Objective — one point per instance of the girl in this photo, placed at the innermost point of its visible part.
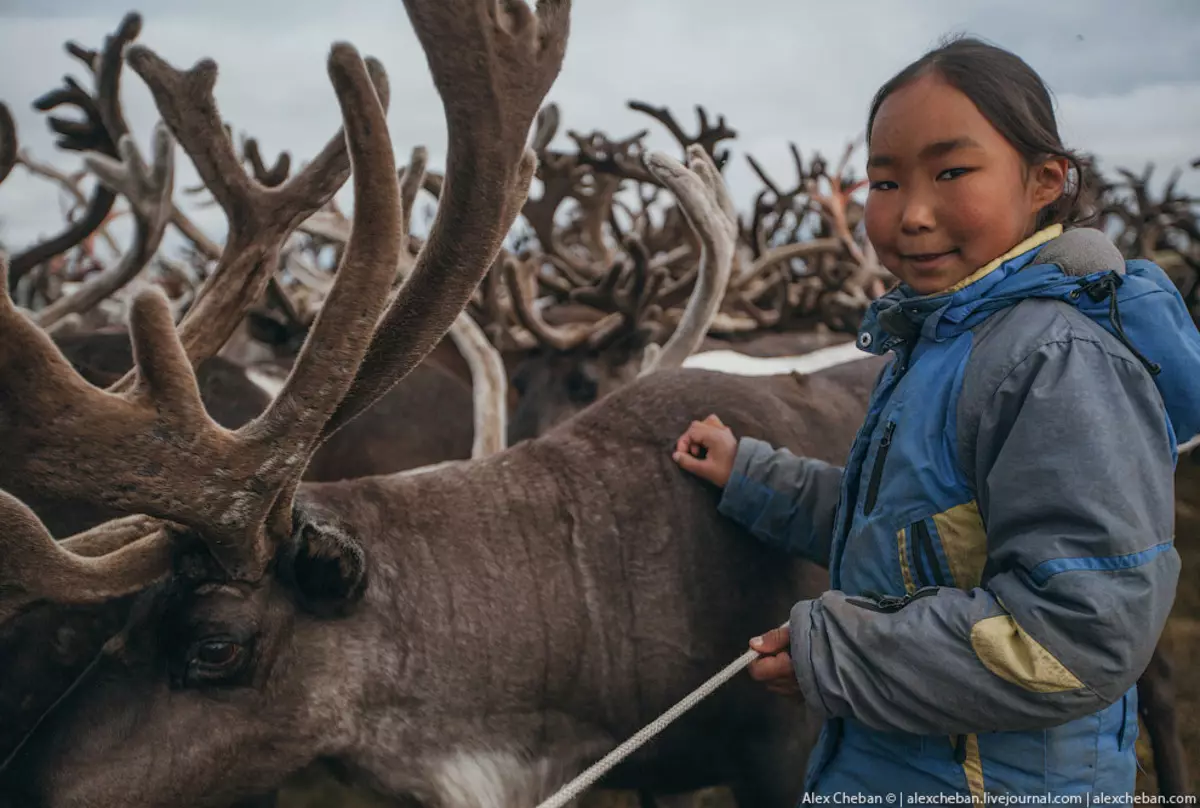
(1001, 560)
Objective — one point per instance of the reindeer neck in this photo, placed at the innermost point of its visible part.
(482, 608)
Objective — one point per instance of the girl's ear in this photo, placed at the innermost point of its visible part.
(1048, 182)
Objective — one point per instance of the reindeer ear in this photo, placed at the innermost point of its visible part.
(324, 564)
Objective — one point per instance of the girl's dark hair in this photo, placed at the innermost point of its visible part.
(1014, 99)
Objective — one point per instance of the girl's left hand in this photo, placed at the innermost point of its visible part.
(774, 669)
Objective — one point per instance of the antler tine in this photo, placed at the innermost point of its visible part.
(89, 56)
(105, 65)
(708, 136)
(678, 290)
(108, 75)
(781, 197)
(266, 177)
(487, 373)
(260, 218)
(547, 127)
(108, 440)
(489, 385)
(412, 177)
(149, 193)
(69, 183)
(602, 295)
(840, 173)
(291, 428)
(33, 567)
(492, 63)
(762, 175)
(613, 159)
(663, 116)
(834, 204)
(709, 210)
(773, 204)
(782, 254)
(86, 135)
(8, 142)
(185, 101)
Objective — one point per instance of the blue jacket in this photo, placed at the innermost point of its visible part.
(1002, 558)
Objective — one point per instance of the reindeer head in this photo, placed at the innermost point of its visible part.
(230, 590)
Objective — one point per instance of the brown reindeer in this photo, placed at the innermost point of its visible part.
(515, 615)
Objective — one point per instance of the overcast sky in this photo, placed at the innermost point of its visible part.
(1126, 75)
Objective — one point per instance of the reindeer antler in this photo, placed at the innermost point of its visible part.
(520, 278)
(489, 381)
(91, 135)
(149, 193)
(8, 142)
(152, 449)
(260, 218)
(705, 202)
(149, 447)
(775, 202)
(707, 137)
(490, 101)
(106, 564)
(628, 296)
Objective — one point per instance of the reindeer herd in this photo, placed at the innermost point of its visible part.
(402, 506)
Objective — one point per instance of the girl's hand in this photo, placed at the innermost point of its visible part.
(707, 450)
(775, 669)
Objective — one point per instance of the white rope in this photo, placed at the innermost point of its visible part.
(597, 770)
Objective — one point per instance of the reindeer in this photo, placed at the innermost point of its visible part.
(520, 612)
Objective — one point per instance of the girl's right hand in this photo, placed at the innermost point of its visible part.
(707, 449)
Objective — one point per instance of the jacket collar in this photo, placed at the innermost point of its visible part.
(902, 314)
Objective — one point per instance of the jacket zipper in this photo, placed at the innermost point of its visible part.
(960, 749)
(887, 604)
(877, 470)
(914, 542)
(925, 542)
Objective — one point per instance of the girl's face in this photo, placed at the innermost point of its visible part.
(948, 193)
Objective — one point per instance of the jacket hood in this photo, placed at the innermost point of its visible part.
(1134, 300)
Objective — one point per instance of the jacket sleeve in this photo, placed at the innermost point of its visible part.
(788, 502)
(1074, 480)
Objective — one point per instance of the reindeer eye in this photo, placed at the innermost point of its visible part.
(217, 653)
(214, 660)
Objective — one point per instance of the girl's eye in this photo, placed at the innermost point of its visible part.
(953, 173)
(882, 185)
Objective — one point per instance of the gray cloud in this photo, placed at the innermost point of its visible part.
(1126, 76)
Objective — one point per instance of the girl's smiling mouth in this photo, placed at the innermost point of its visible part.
(928, 260)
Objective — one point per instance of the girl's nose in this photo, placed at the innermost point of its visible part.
(916, 216)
